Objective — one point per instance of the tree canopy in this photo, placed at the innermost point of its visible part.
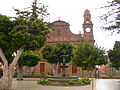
(35, 10)
(6, 26)
(28, 33)
(53, 53)
(65, 48)
(50, 53)
(29, 58)
(114, 55)
(88, 56)
(112, 17)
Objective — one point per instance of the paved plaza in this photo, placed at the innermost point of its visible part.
(107, 84)
(31, 84)
(99, 84)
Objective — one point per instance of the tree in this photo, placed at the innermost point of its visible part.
(88, 56)
(53, 54)
(114, 55)
(65, 48)
(28, 58)
(50, 53)
(15, 36)
(36, 9)
(112, 17)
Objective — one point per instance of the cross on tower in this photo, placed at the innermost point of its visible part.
(59, 18)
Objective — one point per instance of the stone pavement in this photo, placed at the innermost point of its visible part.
(31, 84)
(100, 84)
(107, 84)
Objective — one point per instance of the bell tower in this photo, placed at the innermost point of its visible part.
(88, 27)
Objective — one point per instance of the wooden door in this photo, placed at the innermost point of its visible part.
(59, 68)
(42, 67)
(74, 69)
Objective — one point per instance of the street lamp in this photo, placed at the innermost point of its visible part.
(97, 70)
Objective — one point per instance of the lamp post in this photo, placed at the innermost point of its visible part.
(97, 71)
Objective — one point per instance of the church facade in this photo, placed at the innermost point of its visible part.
(62, 33)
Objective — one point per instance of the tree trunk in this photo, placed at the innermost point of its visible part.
(82, 73)
(19, 72)
(55, 69)
(7, 78)
(8, 70)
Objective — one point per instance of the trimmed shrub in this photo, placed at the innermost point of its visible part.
(70, 83)
(43, 81)
(83, 81)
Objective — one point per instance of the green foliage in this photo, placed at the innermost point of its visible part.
(88, 56)
(65, 48)
(117, 45)
(30, 33)
(111, 16)
(83, 81)
(29, 58)
(114, 55)
(50, 53)
(35, 10)
(53, 53)
(6, 26)
(100, 56)
(70, 82)
(43, 81)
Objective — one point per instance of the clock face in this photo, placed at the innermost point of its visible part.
(88, 29)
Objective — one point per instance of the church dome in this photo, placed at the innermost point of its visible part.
(61, 22)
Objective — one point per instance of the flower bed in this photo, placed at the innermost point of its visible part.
(111, 77)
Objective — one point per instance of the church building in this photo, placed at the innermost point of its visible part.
(62, 33)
